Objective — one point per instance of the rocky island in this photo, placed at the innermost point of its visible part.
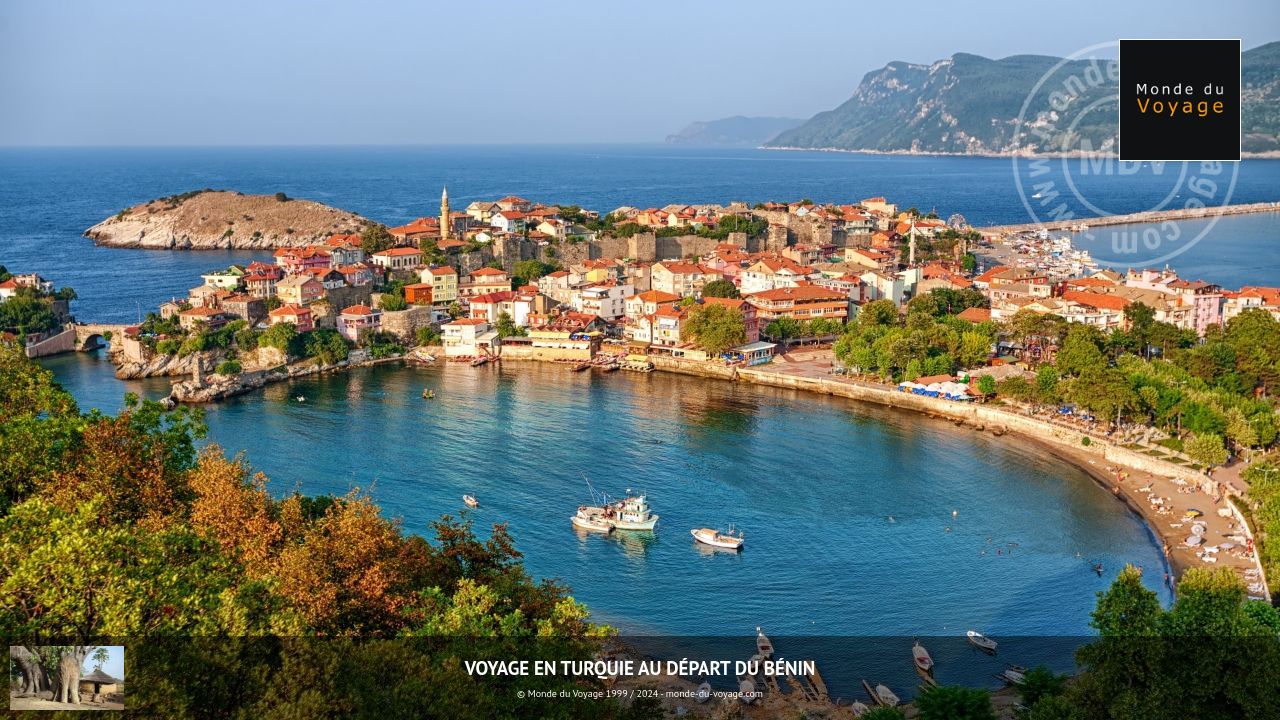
(220, 219)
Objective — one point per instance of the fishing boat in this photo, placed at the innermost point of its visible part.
(428, 394)
(763, 644)
(582, 366)
(920, 656)
(980, 641)
(715, 538)
(704, 692)
(480, 361)
(859, 708)
(471, 501)
(631, 513)
(592, 519)
(747, 687)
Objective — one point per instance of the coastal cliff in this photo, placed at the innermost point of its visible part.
(216, 220)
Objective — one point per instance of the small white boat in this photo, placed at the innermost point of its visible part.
(704, 692)
(586, 519)
(1012, 676)
(747, 687)
(763, 644)
(715, 538)
(471, 501)
(886, 695)
(921, 658)
(301, 398)
(859, 708)
(982, 642)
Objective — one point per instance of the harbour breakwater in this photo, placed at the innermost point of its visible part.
(1149, 216)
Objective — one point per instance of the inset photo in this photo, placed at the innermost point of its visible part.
(66, 677)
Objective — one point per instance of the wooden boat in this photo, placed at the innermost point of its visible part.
(592, 520)
(763, 644)
(704, 692)
(471, 501)
(480, 361)
(582, 366)
(715, 538)
(611, 367)
(980, 641)
(922, 659)
(886, 696)
(859, 708)
(747, 687)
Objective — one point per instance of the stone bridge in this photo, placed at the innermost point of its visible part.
(90, 336)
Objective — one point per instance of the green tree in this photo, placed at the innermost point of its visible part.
(1038, 683)
(720, 289)
(392, 302)
(280, 336)
(1207, 449)
(507, 327)
(526, 272)
(878, 312)
(884, 713)
(782, 329)
(715, 328)
(228, 367)
(374, 237)
(987, 385)
(952, 702)
(427, 335)
(325, 345)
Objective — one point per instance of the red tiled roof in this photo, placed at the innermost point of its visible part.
(657, 296)
(357, 310)
(1097, 300)
(975, 315)
(398, 252)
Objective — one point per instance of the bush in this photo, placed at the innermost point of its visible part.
(168, 346)
(428, 336)
(228, 367)
(281, 197)
(1085, 441)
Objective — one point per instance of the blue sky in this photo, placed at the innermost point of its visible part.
(114, 666)
(271, 72)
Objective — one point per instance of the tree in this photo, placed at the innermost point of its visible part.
(281, 197)
(878, 312)
(715, 328)
(987, 385)
(507, 327)
(782, 329)
(392, 302)
(884, 713)
(953, 702)
(228, 367)
(325, 345)
(279, 336)
(526, 272)
(427, 335)
(1038, 683)
(375, 237)
(720, 289)
(1207, 449)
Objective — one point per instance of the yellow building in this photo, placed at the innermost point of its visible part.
(444, 284)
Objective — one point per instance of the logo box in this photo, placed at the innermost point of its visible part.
(1180, 100)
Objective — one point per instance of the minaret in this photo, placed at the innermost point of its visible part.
(911, 259)
(444, 214)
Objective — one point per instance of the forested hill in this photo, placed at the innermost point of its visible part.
(970, 104)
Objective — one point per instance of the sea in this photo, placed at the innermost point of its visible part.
(865, 528)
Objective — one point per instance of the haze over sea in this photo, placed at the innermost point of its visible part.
(846, 507)
(49, 196)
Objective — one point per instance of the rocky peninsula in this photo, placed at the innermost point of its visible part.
(220, 219)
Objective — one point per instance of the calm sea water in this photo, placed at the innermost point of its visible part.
(846, 507)
(49, 196)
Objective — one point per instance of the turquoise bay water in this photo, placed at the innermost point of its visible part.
(812, 481)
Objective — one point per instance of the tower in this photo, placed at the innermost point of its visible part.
(911, 259)
(444, 214)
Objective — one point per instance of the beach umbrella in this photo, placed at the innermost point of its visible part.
(1193, 540)
(1193, 513)
(1227, 545)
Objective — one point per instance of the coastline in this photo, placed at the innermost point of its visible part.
(1268, 155)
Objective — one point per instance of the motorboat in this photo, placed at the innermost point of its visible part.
(715, 538)
(922, 659)
(581, 366)
(471, 501)
(704, 692)
(747, 687)
(301, 398)
(1013, 675)
(763, 644)
(886, 695)
(591, 519)
(480, 361)
(980, 641)
(859, 708)
(428, 394)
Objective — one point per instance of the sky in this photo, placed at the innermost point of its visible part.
(384, 72)
(114, 666)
